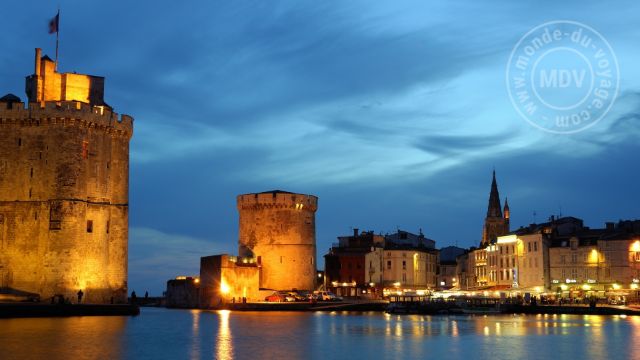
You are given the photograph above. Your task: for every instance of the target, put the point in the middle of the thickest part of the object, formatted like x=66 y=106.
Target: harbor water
x=193 y=334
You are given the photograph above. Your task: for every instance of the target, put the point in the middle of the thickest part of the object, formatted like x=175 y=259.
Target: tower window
x=108 y=225
x=280 y=259
x=31 y=174
x=19 y=141
x=89 y=226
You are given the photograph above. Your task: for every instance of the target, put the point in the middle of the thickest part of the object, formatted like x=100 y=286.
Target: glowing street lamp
x=224 y=288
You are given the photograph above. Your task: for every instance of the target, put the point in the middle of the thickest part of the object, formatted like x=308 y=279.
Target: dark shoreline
x=429 y=310
x=30 y=310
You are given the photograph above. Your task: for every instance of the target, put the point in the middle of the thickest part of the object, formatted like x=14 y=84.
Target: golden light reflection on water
x=65 y=338
x=195 y=334
x=224 y=341
x=228 y=335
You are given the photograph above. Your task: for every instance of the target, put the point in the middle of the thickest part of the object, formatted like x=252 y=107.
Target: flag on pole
x=53 y=23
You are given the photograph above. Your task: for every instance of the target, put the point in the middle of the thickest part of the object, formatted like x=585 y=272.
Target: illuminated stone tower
x=64 y=177
x=278 y=229
x=495 y=224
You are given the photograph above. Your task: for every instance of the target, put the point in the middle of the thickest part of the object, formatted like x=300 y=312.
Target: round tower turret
x=278 y=229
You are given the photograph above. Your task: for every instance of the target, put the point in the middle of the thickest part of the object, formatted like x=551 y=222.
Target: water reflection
x=179 y=334
x=55 y=338
x=195 y=335
x=224 y=341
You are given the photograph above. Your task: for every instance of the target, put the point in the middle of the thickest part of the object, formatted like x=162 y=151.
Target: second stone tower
x=278 y=229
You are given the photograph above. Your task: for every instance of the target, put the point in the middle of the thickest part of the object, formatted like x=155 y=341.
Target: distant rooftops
x=561 y=230
x=401 y=240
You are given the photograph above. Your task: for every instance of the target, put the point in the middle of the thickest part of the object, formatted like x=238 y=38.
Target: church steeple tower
x=495 y=224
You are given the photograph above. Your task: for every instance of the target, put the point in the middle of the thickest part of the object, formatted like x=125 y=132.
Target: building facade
x=366 y=264
x=353 y=265
x=409 y=268
x=596 y=262
x=64 y=177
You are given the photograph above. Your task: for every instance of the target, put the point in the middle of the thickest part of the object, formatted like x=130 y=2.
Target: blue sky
x=393 y=113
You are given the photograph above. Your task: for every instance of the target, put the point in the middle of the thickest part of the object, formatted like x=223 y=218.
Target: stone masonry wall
x=64 y=200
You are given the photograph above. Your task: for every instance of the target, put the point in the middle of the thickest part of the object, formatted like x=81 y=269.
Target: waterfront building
x=567 y=259
x=447 y=276
x=64 y=197
x=596 y=262
x=366 y=264
x=408 y=268
x=410 y=262
x=225 y=278
x=478 y=259
x=183 y=292
x=465 y=268
x=353 y=265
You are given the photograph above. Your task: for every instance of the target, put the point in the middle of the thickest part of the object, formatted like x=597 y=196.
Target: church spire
x=507 y=213
x=494 y=209
x=495 y=224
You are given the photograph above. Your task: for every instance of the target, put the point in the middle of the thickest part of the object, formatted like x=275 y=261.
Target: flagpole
x=57 y=37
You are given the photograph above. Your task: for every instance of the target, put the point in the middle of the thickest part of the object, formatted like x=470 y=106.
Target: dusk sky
x=393 y=113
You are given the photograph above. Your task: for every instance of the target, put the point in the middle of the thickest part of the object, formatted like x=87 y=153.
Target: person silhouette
x=80 y=294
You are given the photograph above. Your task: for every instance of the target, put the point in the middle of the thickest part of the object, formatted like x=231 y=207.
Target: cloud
x=156 y=256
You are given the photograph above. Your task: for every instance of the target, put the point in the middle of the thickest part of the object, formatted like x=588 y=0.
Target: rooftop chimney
x=38 y=56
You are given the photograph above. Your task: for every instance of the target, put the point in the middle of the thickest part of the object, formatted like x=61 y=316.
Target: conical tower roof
x=494 y=209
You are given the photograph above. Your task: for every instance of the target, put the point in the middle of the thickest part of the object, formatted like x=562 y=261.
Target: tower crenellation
x=67 y=112
x=277 y=199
